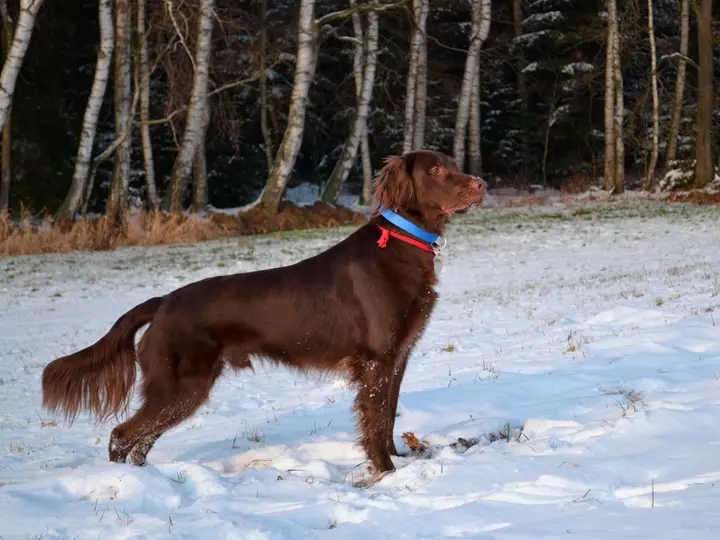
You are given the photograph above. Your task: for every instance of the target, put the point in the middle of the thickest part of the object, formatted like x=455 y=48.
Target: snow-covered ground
x=595 y=331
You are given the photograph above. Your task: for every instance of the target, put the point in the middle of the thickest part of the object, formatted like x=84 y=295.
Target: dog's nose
x=478 y=183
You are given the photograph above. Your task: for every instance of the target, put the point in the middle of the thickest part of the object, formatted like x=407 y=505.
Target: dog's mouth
x=469 y=201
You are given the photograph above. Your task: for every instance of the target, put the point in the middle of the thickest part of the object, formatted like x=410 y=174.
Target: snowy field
x=591 y=337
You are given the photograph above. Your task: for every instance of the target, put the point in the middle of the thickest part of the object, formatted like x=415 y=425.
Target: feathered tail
x=98 y=379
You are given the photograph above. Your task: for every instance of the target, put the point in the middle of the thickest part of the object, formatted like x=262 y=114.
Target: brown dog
x=357 y=308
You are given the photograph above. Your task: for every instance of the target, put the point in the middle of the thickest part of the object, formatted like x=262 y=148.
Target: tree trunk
x=609 y=172
x=619 y=180
x=703 y=125
x=548 y=127
x=358 y=62
x=421 y=8
x=6 y=172
x=116 y=204
x=650 y=176
x=349 y=152
x=411 y=83
x=145 y=105
x=292 y=139
x=679 y=84
x=200 y=194
x=474 y=144
x=11 y=68
x=518 y=17
x=264 y=129
x=198 y=101
x=74 y=198
x=480 y=30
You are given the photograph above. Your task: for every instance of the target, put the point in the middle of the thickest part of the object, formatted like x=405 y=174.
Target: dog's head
x=429 y=183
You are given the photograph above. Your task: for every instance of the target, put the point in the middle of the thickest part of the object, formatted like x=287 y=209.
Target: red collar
x=387 y=233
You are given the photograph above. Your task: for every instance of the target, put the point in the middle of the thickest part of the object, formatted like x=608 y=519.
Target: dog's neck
x=431 y=220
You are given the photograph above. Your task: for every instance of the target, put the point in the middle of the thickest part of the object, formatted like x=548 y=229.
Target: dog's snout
x=478 y=183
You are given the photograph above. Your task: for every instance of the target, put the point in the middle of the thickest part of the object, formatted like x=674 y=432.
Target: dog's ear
x=394 y=187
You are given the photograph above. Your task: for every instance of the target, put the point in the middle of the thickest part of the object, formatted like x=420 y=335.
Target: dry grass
x=148 y=228
x=26 y=237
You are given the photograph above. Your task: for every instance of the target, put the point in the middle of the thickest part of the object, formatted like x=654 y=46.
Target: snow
x=549 y=17
x=593 y=329
x=531 y=67
x=307 y=194
x=578 y=67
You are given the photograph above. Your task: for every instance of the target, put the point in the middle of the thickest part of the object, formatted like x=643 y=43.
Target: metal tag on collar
x=439 y=248
x=440 y=244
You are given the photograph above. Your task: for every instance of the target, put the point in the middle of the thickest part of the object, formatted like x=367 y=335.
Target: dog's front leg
x=373 y=379
x=397 y=377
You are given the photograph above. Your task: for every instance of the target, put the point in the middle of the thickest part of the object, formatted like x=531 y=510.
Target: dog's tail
x=98 y=379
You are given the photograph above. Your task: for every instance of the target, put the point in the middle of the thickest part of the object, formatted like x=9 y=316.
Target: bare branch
x=361 y=8
x=171 y=14
x=219 y=89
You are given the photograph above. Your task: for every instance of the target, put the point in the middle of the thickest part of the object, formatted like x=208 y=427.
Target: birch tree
x=420 y=12
x=200 y=193
x=474 y=144
x=679 y=84
x=479 y=32
x=292 y=139
x=650 y=174
x=619 y=179
x=359 y=125
x=198 y=101
x=614 y=149
x=15 y=57
x=6 y=172
x=74 y=198
x=144 y=89
x=703 y=122
x=358 y=63
x=421 y=9
x=121 y=172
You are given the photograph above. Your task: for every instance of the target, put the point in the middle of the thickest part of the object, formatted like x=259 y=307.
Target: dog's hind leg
x=172 y=392
x=138 y=455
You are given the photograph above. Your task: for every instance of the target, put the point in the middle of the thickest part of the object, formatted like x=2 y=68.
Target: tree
x=198 y=101
x=420 y=12
x=479 y=32
x=614 y=109
x=14 y=56
x=292 y=139
x=421 y=9
x=200 y=193
x=359 y=125
x=358 y=63
x=74 y=198
x=650 y=174
x=121 y=172
x=703 y=123
x=11 y=68
x=619 y=179
x=6 y=172
x=679 y=84
x=474 y=144
x=144 y=83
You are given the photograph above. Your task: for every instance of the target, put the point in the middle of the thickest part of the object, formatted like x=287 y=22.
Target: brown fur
x=98 y=378
x=356 y=308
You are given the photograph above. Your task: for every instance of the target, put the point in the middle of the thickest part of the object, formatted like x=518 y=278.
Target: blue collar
x=408 y=226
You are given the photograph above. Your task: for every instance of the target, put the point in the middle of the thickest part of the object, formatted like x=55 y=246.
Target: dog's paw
x=371 y=480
